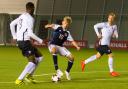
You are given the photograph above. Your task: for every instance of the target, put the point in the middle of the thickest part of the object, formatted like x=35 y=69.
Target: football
x=55 y=78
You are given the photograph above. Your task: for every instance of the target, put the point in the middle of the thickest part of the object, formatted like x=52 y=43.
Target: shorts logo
x=29 y=52
x=109 y=50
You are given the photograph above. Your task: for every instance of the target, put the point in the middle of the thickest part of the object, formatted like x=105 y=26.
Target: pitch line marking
x=6 y=82
x=80 y=73
x=75 y=80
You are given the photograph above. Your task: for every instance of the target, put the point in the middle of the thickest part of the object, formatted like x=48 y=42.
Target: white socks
x=29 y=67
x=92 y=58
x=110 y=64
x=38 y=59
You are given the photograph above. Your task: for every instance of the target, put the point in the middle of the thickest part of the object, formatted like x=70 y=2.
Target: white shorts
x=61 y=50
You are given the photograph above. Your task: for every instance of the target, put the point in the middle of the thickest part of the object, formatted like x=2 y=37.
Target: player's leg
x=29 y=67
x=38 y=59
x=27 y=51
x=53 y=50
x=64 y=52
x=110 y=64
x=70 y=64
x=108 y=51
x=92 y=58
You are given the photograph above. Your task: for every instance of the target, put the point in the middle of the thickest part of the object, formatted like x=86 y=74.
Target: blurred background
x=85 y=13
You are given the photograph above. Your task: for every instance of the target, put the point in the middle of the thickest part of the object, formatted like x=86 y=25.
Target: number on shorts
x=61 y=36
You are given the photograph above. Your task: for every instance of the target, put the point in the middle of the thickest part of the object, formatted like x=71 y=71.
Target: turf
x=96 y=75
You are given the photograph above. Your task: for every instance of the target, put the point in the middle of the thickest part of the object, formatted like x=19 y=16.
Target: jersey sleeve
x=30 y=25
x=70 y=38
x=33 y=36
x=55 y=26
x=115 y=31
x=12 y=27
x=97 y=27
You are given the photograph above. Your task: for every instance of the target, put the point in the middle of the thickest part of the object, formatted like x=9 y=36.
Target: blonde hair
x=112 y=14
x=68 y=19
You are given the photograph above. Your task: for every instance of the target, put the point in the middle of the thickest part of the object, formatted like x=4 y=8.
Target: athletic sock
x=38 y=59
x=31 y=72
x=28 y=67
x=92 y=58
x=55 y=61
x=70 y=64
x=110 y=64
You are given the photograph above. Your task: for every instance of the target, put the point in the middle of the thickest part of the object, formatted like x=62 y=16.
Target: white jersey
x=70 y=38
x=24 y=31
x=107 y=32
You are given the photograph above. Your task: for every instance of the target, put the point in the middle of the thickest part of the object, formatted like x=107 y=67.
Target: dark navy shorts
x=104 y=49
x=28 y=49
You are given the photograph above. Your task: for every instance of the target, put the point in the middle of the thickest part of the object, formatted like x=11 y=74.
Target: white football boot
x=59 y=73
x=67 y=75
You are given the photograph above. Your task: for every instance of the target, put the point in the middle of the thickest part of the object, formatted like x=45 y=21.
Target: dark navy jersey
x=60 y=36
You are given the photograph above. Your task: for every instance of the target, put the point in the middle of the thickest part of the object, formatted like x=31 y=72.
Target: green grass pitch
x=96 y=75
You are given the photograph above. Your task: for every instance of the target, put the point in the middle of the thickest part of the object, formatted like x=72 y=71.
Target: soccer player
x=23 y=35
x=108 y=30
x=60 y=35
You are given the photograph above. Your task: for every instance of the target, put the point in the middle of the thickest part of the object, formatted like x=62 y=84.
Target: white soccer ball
x=55 y=78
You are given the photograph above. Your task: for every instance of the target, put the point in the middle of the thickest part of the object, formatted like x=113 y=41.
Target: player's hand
x=99 y=36
x=114 y=36
x=78 y=48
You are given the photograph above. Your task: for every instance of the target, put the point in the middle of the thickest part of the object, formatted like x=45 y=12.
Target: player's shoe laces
x=19 y=82
x=29 y=78
x=59 y=73
x=82 y=65
x=68 y=75
x=114 y=74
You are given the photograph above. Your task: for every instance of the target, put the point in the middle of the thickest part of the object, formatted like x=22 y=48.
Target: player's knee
x=98 y=56
x=53 y=51
x=110 y=55
x=31 y=58
x=71 y=57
